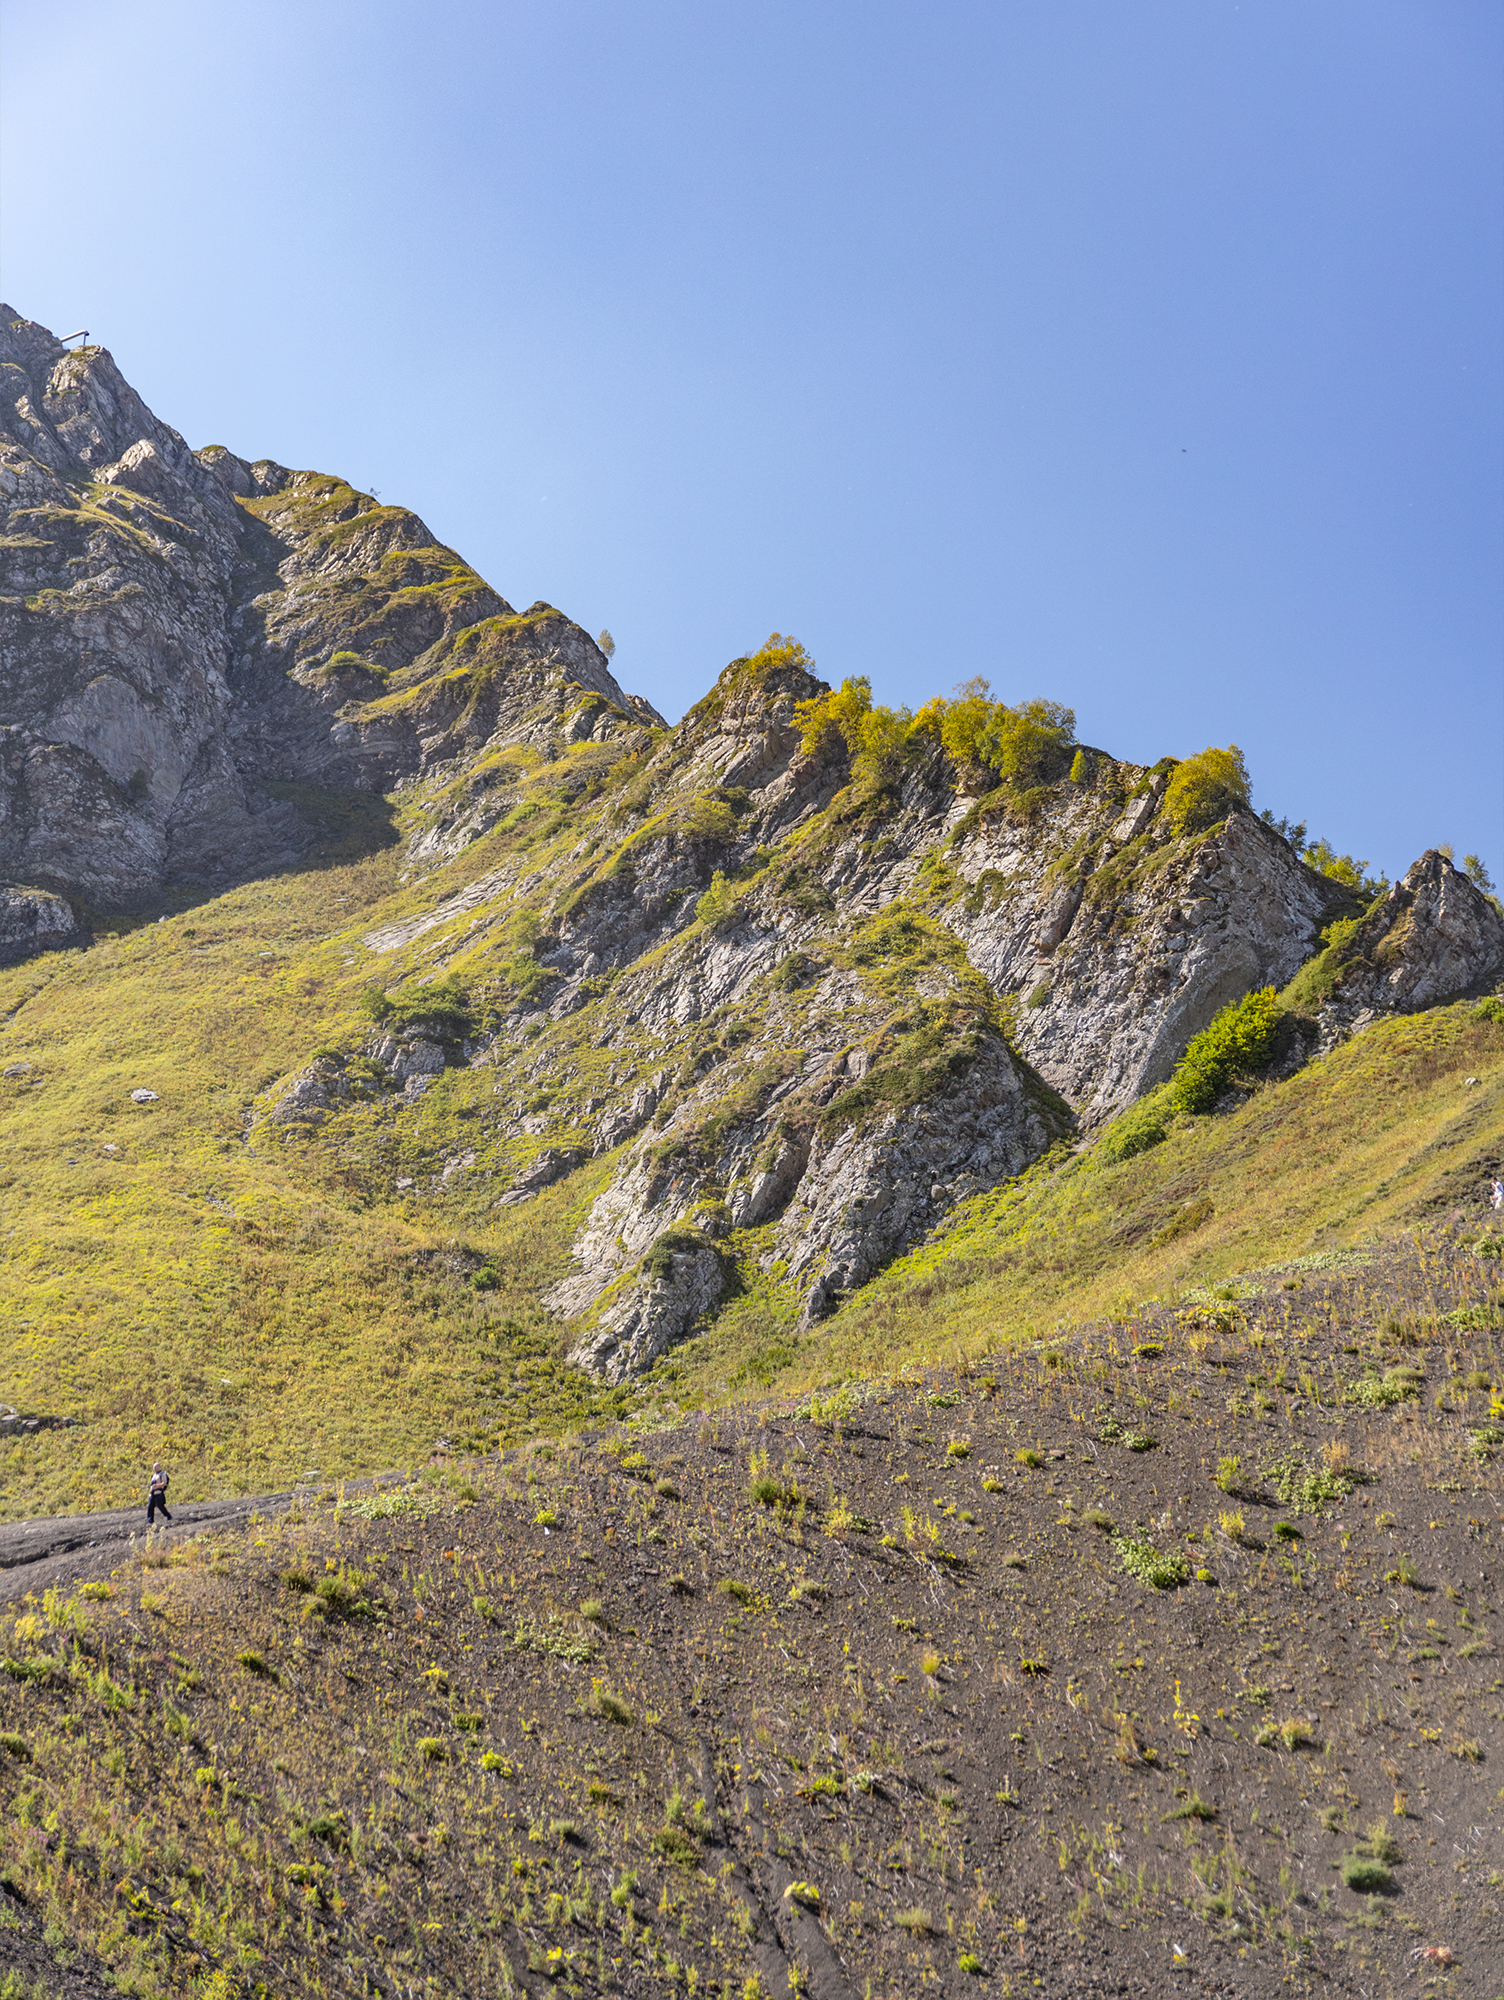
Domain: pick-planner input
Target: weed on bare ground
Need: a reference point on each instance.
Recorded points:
(523, 1736)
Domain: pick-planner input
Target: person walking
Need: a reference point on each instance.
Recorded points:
(156, 1496)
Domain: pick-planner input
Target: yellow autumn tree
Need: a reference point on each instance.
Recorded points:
(1206, 788)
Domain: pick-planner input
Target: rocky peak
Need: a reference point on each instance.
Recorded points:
(1433, 936)
(181, 629)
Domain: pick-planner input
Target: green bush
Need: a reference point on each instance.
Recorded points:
(1024, 746)
(1241, 1039)
(709, 819)
(1138, 1128)
(1150, 1565)
(1343, 868)
(442, 1004)
(720, 902)
(1306, 1489)
(1380, 1392)
(876, 739)
(1206, 788)
(1367, 1876)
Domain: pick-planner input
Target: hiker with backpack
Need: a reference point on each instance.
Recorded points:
(156, 1496)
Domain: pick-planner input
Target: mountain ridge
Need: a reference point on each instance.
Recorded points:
(171, 635)
(771, 992)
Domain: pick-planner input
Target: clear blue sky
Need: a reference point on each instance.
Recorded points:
(1144, 355)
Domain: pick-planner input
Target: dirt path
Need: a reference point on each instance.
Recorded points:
(76, 1548)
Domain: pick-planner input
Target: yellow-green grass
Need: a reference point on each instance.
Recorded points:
(247, 1303)
(253, 1302)
(1384, 1132)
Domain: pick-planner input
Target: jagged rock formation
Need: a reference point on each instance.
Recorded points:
(803, 1016)
(783, 1002)
(1433, 936)
(33, 920)
(182, 633)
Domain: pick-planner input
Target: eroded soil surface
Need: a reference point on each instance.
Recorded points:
(979, 1683)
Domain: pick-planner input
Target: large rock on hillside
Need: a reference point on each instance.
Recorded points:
(32, 920)
(1118, 963)
(1432, 937)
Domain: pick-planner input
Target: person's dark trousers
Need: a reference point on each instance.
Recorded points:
(153, 1502)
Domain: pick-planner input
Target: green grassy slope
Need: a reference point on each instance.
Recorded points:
(179, 1282)
(255, 1302)
(1384, 1132)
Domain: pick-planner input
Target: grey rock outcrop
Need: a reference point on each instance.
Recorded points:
(868, 1192)
(1431, 938)
(649, 1314)
(1117, 968)
(541, 1171)
(34, 920)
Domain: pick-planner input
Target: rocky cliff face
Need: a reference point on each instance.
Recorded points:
(180, 632)
(1432, 936)
(784, 1002)
(801, 1015)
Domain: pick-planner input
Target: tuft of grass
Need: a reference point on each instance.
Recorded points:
(1379, 1844)
(1365, 1875)
(1293, 1734)
(675, 1845)
(916, 1920)
(1195, 1807)
(1161, 1569)
(612, 1708)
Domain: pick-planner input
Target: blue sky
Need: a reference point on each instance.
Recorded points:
(1142, 356)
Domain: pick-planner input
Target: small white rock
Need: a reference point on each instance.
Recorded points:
(143, 1097)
